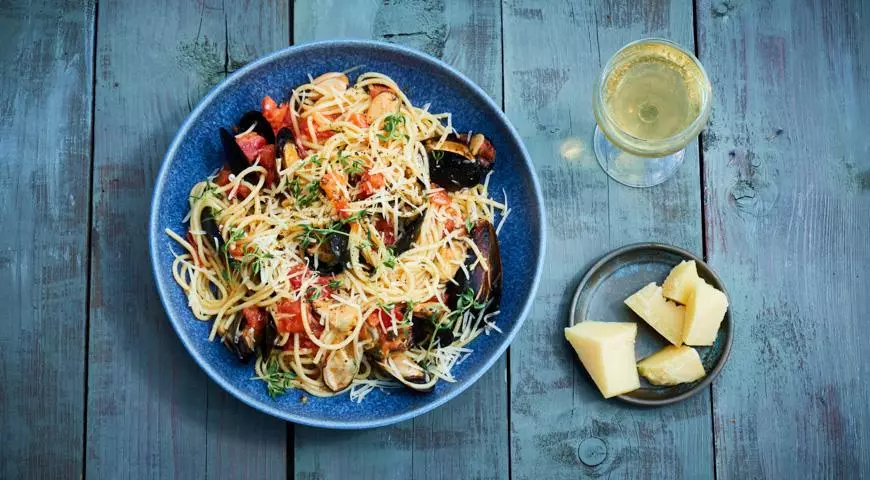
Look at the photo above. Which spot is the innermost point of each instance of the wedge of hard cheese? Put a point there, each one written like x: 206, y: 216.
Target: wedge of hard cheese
x: 705, y: 310
x: 607, y: 352
x: 672, y: 366
x: 681, y: 282
x: 665, y: 317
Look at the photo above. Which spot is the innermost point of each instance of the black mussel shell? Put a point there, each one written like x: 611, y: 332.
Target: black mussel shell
x: 233, y: 155
x: 486, y: 285
x: 333, y: 253
x: 424, y: 328
x: 284, y: 140
x: 244, y: 341
x: 453, y: 166
x: 209, y: 224
x: 261, y: 126
x: 408, y: 235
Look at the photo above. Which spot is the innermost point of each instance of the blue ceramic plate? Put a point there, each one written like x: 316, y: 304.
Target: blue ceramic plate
x: 195, y: 153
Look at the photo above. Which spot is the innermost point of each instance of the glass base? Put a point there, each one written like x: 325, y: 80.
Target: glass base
x: 633, y: 170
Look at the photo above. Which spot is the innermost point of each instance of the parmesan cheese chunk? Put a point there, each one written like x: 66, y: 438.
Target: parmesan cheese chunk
x: 704, y: 313
x: 665, y: 317
x: 607, y: 352
x: 672, y: 366
x: 681, y: 282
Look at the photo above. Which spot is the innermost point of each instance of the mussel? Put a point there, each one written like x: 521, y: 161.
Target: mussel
x: 233, y: 153
x: 210, y: 226
x: 427, y: 328
x: 407, y: 235
x: 330, y: 255
x: 286, y: 146
x: 252, y: 331
x: 485, y: 285
x: 339, y: 369
x: 461, y: 161
x: 404, y: 369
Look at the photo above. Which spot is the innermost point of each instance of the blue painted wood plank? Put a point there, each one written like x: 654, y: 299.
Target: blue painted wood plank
x: 467, y: 438
x: 152, y: 413
x: 45, y: 130
x: 787, y: 202
x: 561, y: 427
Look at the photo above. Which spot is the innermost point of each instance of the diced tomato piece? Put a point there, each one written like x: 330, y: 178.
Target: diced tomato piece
x: 439, y: 197
x: 359, y: 120
x: 223, y: 179
x: 375, y: 90
x: 275, y: 114
x: 382, y: 318
x: 255, y: 317
x: 370, y: 183
x: 289, y: 317
x: 384, y: 226
x: 343, y: 208
x: 236, y: 250
x: 297, y: 275
x: 449, y: 225
x: 251, y: 144
x: 267, y: 161
x: 301, y: 274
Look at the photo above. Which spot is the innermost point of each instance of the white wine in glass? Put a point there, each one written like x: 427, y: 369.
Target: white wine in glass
x: 652, y: 99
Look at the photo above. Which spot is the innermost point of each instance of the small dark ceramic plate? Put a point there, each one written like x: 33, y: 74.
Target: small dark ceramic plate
x: 621, y: 273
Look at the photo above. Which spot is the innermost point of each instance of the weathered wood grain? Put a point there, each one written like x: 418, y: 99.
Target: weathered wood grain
x: 467, y: 438
x: 787, y: 207
x: 152, y: 413
x: 561, y: 427
x: 45, y: 131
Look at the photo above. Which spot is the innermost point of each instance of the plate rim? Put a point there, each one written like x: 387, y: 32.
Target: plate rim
x: 162, y: 284
x: 726, y: 351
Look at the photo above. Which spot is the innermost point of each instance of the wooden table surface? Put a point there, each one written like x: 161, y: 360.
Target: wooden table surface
x: 776, y: 195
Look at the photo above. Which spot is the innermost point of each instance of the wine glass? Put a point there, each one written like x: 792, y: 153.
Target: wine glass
x: 652, y: 99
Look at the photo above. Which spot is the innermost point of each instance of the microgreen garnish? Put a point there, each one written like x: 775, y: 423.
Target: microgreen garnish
x: 277, y: 380
x: 391, y: 124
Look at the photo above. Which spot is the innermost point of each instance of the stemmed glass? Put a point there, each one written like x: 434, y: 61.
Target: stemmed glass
x: 652, y: 99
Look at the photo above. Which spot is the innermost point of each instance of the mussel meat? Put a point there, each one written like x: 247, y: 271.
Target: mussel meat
x: 408, y: 235
x: 252, y: 331
x: 461, y: 161
x: 286, y: 146
x: 404, y: 369
x: 339, y: 370
x: 330, y: 256
x: 485, y: 284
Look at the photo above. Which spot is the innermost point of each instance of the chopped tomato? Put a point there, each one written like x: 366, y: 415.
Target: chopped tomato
x: 255, y: 317
x: 267, y: 161
x: 300, y: 274
x: 382, y: 318
x: 236, y: 250
x: 375, y: 90
x: 223, y: 179
x: 251, y: 143
x: 343, y: 208
x: 289, y: 317
x: 386, y: 228
x: 359, y: 120
x: 439, y: 197
x: 275, y: 114
x: 370, y: 183
x: 449, y: 225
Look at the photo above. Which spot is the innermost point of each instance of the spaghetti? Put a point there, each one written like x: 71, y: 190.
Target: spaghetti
x: 348, y: 242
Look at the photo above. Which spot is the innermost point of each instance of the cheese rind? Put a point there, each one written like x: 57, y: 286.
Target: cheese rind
x: 665, y: 317
x: 704, y: 313
x: 681, y: 282
x: 672, y: 366
x: 606, y: 350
